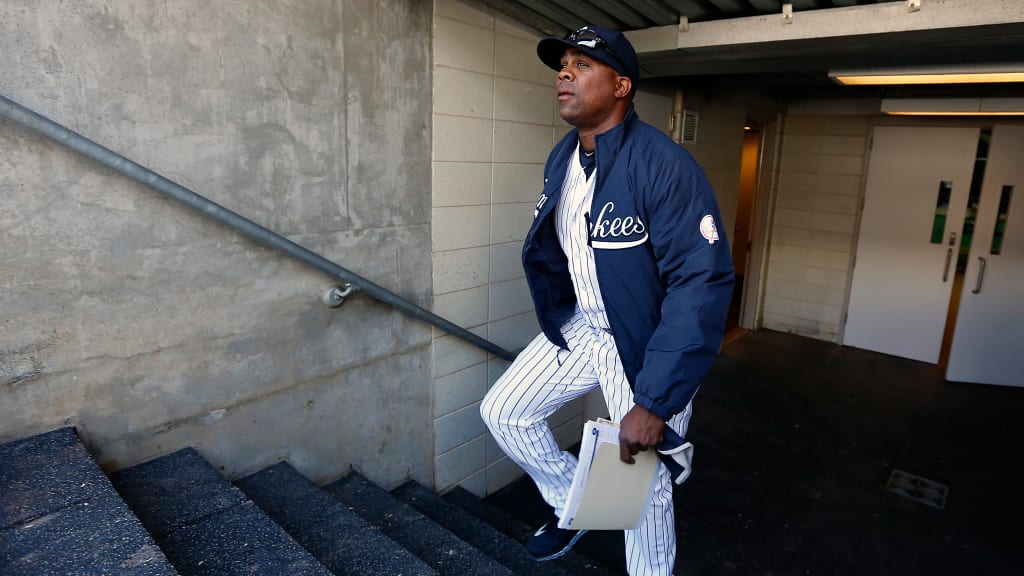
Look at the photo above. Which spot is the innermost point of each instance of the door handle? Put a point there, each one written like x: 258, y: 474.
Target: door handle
x: 949, y: 258
x: 981, y: 276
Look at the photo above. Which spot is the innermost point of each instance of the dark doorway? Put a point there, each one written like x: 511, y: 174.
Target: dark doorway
x: 741, y: 237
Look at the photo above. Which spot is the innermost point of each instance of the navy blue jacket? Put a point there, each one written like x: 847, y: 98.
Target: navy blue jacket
x: 663, y: 263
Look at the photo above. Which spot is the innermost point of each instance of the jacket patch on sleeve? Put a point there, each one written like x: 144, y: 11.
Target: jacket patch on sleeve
x: 708, y: 229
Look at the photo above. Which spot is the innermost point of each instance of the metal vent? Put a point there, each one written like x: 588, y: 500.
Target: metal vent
x: 690, y: 126
x: 925, y: 491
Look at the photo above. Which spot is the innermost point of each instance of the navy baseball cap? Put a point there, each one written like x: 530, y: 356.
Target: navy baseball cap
x: 608, y: 46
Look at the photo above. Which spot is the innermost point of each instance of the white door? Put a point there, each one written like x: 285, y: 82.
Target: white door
x: 919, y: 179
x: 988, y: 344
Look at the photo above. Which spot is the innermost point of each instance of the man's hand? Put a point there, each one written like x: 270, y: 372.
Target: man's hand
x: 639, y: 430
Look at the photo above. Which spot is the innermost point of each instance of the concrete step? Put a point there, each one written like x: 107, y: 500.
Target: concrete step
x: 59, y: 514
x: 496, y: 544
x: 574, y: 562
x: 523, y: 501
x: 342, y: 540
x: 439, y: 548
x: 206, y: 526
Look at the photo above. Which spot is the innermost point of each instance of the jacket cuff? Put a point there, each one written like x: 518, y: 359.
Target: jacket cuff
x: 653, y: 407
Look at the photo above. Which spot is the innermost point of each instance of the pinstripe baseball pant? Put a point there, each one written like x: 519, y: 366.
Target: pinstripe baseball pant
x: 541, y: 379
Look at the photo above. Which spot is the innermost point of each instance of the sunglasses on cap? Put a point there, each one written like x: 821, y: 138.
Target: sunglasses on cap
x: 590, y: 39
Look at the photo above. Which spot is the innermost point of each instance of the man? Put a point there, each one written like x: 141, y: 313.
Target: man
x: 631, y: 279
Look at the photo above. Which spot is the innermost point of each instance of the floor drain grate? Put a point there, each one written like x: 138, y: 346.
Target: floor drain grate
x: 923, y: 490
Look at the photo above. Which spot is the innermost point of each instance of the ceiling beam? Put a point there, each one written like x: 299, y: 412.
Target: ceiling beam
x: 655, y: 10
x: 694, y: 9
x: 731, y: 7
x: 749, y: 6
x: 522, y: 16
x: 767, y: 5
x: 851, y: 21
x: 623, y: 12
x: 710, y: 6
x: 810, y: 4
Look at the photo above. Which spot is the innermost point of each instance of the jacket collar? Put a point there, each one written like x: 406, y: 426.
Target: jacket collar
x: 610, y: 142
x: 607, y: 143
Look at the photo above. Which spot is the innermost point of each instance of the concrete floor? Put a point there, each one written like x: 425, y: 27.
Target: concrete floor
x: 795, y: 440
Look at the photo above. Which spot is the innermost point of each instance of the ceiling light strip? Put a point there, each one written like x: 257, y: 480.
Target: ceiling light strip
x: 968, y: 74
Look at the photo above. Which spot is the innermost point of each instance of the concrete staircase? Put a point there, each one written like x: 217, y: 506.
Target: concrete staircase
x: 59, y: 514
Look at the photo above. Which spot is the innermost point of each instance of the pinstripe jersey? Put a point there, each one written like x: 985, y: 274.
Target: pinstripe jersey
x: 572, y: 225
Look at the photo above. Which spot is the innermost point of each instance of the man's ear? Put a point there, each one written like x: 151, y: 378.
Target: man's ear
x: 623, y: 87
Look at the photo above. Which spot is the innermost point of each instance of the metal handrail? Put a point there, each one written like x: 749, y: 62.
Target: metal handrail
x: 86, y: 147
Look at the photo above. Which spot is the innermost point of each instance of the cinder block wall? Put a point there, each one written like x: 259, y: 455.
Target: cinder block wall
x: 150, y: 328
x: 495, y: 121
x: 819, y: 189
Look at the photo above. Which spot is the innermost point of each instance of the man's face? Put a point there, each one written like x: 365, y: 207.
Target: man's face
x: 586, y: 90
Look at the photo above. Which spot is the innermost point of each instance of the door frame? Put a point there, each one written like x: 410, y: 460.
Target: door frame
x: 763, y: 215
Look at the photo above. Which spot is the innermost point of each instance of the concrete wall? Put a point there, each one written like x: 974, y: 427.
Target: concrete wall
x: 654, y: 107
x: 150, y: 328
x: 812, y: 240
